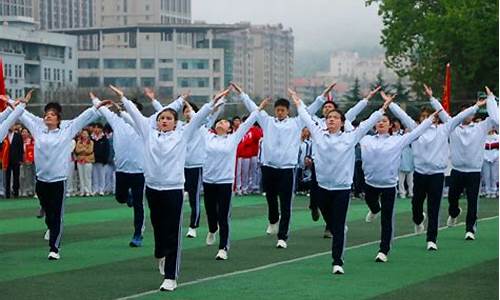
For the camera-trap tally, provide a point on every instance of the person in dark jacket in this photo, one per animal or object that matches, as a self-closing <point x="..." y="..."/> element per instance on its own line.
<point x="12" y="159"/>
<point x="101" y="154"/>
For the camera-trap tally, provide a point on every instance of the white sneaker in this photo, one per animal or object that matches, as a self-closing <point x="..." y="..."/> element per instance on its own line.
<point x="191" y="233"/>
<point x="221" y="255"/>
<point x="453" y="221"/>
<point x="419" y="228"/>
<point x="168" y="285"/>
<point x="281" y="244"/>
<point x="161" y="266"/>
<point x="469" y="236"/>
<point x="338" y="270"/>
<point x="272" y="228"/>
<point x="211" y="238"/>
<point x="381" y="257"/>
<point x="431" y="246"/>
<point x="53" y="256"/>
<point x="47" y="235"/>
<point x="370" y="216"/>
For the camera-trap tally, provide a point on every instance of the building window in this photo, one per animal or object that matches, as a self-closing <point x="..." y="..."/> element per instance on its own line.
<point x="147" y="63"/>
<point x="121" y="81"/>
<point x="147" y="81"/>
<point x="216" y="65"/>
<point x="88" y="81"/>
<point x="70" y="53"/>
<point x="70" y="76"/>
<point x="120" y="63"/>
<point x="193" y="64"/>
<point x="166" y="74"/>
<point x="193" y="82"/>
<point x="167" y="91"/>
<point x="88" y="63"/>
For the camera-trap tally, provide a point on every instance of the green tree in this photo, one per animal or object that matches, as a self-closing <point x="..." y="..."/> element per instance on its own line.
<point x="354" y="94"/>
<point x="379" y="82"/>
<point x="420" y="37"/>
<point x="403" y="94"/>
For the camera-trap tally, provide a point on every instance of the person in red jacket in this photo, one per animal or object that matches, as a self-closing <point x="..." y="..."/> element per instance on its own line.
<point x="27" y="165"/>
<point x="253" y="144"/>
<point x="244" y="173"/>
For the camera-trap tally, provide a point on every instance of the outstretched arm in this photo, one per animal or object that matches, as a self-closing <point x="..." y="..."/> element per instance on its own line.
<point x="305" y="117"/>
<point x="202" y="115"/>
<point x="492" y="106"/>
<point x="320" y="100"/>
<point x="11" y="119"/>
<point x="418" y="131"/>
<point x="443" y="115"/>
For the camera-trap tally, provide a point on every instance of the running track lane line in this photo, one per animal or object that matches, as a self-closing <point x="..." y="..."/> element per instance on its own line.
<point x="285" y="262"/>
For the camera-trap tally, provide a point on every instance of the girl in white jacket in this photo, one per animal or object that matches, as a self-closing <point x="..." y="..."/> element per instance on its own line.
<point x="164" y="158"/>
<point x="334" y="151"/>
<point x="381" y="155"/>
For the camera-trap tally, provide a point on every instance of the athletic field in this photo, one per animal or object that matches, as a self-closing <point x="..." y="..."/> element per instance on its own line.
<point x="97" y="263"/>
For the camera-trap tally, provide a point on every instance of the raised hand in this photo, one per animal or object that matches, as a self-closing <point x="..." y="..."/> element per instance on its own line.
<point x="186" y="95"/>
<point x="117" y="91"/>
<point x="28" y="96"/>
<point x="428" y="90"/>
<point x="373" y="92"/>
<point x="237" y="88"/>
<point x="295" y="97"/>
<point x="221" y="95"/>
<point x="149" y="93"/>
<point x="264" y="103"/>
<point x="104" y="103"/>
<point x="387" y="100"/>
<point x="488" y="91"/>
<point x="387" y="97"/>
<point x="329" y="89"/>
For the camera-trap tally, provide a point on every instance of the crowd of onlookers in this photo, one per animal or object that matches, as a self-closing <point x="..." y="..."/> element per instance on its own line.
<point x="92" y="170"/>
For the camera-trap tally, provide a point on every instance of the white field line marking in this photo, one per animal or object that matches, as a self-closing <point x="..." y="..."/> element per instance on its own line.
<point x="284" y="262"/>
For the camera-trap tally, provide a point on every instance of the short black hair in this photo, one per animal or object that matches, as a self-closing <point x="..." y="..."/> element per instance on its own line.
<point x="235" y="118"/>
<point x="335" y="106"/>
<point x="98" y="125"/>
<point x="282" y="102"/>
<point x="172" y="111"/>
<point x="55" y="106"/>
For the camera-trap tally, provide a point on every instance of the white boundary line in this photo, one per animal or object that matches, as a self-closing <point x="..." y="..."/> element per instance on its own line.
<point x="284" y="262"/>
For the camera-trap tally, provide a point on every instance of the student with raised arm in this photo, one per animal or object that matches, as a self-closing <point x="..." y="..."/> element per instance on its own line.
<point x="467" y="154"/>
<point x="431" y="152"/>
<point x="335" y="156"/>
<point x="381" y="156"/>
<point x="218" y="178"/>
<point x="280" y="149"/>
<point x="164" y="158"/>
<point x="195" y="158"/>
<point x="12" y="114"/>
<point x="491" y="105"/>
<point x="53" y="147"/>
<point x="129" y="160"/>
<point x="350" y="115"/>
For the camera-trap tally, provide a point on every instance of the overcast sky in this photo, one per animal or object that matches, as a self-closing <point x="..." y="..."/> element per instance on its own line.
<point x="317" y="24"/>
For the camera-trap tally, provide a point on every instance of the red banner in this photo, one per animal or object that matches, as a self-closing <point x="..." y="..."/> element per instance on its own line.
<point x="447" y="89"/>
<point x="2" y="85"/>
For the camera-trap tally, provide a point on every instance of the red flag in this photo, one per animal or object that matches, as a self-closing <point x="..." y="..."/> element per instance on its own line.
<point x="2" y="85"/>
<point x="447" y="89"/>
